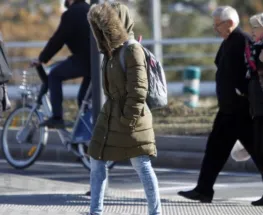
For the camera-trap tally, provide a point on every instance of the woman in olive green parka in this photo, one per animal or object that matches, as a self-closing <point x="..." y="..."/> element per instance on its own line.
<point x="124" y="126"/>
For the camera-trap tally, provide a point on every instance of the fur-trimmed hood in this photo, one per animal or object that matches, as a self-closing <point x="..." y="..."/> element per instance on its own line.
<point x="111" y="25"/>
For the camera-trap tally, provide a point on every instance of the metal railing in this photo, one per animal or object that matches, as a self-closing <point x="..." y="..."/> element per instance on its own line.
<point x="168" y="41"/>
<point x="175" y="88"/>
<point x="70" y="91"/>
<point x="146" y="42"/>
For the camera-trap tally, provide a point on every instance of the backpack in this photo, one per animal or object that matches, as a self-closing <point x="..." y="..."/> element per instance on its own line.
<point x="157" y="87"/>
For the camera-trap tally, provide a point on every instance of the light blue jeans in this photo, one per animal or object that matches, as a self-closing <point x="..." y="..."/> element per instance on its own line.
<point x="143" y="166"/>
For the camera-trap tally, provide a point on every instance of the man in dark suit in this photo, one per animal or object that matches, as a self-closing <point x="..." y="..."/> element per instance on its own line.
<point x="73" y="31"/>
<point x="233" y="121"/>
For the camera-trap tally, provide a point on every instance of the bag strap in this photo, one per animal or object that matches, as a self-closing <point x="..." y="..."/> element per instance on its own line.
<point x="122" y="52"/>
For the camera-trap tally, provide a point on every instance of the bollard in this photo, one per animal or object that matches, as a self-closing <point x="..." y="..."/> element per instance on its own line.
<point x="191" y="87"/>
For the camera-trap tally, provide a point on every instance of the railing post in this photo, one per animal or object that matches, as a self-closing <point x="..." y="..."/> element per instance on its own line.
<point x="157" y="29"/>
<point x="191" y="89"/>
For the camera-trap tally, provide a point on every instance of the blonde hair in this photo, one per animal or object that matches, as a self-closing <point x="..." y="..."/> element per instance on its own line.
<point x="256" y="20"/>
<point x="227" y="13"/>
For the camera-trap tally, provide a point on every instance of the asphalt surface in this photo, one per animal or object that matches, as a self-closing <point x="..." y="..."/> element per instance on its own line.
<point x="59" y="188"/>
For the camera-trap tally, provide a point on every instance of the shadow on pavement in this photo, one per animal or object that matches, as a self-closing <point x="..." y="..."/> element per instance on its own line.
<point x="79" y="203"/>
<point x="80" y="199"/>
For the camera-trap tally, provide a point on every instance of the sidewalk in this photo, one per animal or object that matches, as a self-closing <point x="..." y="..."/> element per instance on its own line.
<point x="116" y="204"/>
<point x="29" y="195"/>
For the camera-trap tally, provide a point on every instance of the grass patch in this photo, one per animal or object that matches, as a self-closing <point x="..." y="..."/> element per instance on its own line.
<point x="178" y="119"/>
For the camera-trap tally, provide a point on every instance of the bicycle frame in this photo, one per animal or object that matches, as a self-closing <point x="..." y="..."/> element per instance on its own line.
<point x="83" y="123"/>
<point x="75" y="141"/>
<point x="68" y="138"/>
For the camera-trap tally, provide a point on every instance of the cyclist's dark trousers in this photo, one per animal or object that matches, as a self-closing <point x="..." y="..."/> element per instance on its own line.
<point x="71" y="68"/>
<point x="227" y="129"/>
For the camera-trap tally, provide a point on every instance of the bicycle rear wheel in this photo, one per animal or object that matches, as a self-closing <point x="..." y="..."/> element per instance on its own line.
<point x="85" y="158"/>
<point x="22" y="138"/>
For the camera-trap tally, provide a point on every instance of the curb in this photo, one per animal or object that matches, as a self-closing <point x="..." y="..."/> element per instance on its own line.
<point x="188" y="152"/>
<point x="173" y="152"/>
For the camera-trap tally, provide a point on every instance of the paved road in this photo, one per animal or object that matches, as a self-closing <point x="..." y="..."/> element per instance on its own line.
<point x="57" y="188"/>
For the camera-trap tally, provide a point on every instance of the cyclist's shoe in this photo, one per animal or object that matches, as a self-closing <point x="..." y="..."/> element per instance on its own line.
<point x="53" y="123"/>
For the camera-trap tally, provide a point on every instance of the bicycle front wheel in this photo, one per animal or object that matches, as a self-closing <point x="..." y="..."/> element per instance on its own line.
<point x="85" y="158"/>
<point x="22" y="138"/>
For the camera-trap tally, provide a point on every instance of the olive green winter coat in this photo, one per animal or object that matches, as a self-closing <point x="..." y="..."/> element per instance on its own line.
<point x="124" y="126"/>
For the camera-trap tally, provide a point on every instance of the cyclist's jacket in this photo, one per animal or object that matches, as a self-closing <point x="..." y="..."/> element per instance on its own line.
<point x="73" y="31"/>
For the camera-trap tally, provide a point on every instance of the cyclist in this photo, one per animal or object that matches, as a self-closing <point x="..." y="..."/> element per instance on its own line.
<point x="73" y="31"/>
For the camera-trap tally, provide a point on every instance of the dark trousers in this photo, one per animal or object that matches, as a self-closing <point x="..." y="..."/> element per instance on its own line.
<point x="68" y="69"/>
<point x="227" y="129"/>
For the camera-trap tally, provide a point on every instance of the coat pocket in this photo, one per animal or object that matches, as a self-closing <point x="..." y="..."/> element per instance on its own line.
<point x="128" y="122"/>
<point x="124" y="120"/>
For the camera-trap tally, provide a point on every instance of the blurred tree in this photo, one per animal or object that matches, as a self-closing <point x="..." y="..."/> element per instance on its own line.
<point x="192" y="18"/>
<point x="26" y="20"/>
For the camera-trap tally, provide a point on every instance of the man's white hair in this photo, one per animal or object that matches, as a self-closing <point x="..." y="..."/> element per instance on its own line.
<point x="256" y="20"/>
<point x="227" y="13"/>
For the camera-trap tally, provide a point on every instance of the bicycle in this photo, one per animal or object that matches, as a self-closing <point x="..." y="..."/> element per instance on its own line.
<point x="34" y="109"/>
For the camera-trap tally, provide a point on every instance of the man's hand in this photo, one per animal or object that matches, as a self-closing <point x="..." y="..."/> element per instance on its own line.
<point x="35" y="62"/>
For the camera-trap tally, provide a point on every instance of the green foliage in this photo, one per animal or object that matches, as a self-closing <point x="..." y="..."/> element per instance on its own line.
<point x="194" y="21"/>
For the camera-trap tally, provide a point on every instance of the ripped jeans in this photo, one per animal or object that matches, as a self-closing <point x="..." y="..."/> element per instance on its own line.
<point x="143" y="167"/>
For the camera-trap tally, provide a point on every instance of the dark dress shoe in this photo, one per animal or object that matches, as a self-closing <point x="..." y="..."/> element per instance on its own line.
<point x="194" y="195"/>
<point x="258" y="202"/>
